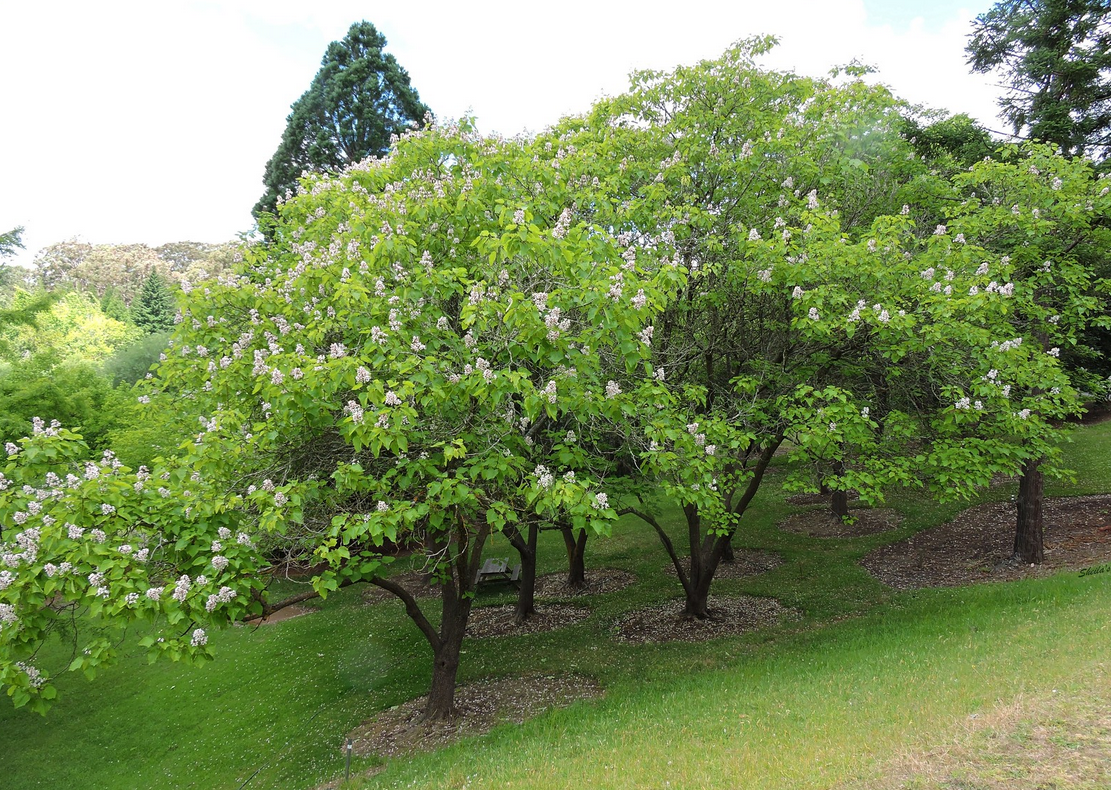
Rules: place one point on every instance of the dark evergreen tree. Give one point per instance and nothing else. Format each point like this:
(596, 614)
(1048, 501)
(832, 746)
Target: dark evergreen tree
(153, 310)
(1055, 58)
(358, 99)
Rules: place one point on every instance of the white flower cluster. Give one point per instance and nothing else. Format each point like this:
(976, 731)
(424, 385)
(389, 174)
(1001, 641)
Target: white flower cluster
(966, 403)
(181, 588)
(544, 477)
(226, 595)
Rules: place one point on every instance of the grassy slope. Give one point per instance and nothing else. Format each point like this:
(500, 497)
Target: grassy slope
(801, 705)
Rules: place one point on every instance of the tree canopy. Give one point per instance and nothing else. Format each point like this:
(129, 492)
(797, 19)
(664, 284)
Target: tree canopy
(1055, 56)
(359, 99)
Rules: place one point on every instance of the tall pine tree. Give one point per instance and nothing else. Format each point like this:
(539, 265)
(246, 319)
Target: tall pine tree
(358, 99)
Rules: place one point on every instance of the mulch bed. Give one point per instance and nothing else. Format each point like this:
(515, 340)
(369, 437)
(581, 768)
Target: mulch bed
(823, 524)
(603, 580)
(482, 705)
(729, 615)
(805, 500)
(976, 546)
(746, 562)
(498, 620)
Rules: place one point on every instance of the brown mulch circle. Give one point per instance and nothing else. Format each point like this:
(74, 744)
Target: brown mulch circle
(746, 562)
(823, 524)
(603, 580)
(729, 615)
(498, 620)
(482, 706)
(414, 582)
(976, 546)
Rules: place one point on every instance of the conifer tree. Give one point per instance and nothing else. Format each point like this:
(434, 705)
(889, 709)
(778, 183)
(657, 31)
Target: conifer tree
(153, 310)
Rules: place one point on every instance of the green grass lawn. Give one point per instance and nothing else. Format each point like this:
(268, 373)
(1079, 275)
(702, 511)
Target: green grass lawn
(862, 676)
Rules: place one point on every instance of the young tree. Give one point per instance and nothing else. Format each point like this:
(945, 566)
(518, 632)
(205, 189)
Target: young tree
(1050, 217)
(360, 98)
(1055, 56)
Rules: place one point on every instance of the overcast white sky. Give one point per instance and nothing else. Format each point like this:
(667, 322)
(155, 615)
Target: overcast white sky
(152, 121)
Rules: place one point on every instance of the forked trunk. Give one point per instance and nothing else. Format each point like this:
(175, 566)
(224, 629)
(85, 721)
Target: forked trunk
(1029, 527)
(576, 551)
(457, 595)
(727, 555)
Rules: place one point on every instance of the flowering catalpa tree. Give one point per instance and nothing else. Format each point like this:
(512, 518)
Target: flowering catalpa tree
(819, 309)
(1051, 219)
(89, 546)
(413, 361)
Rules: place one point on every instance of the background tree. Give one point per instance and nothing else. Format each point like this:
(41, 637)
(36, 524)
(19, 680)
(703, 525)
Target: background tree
(15, 312)
(358, 99)
(1055, 58)
(153, 309)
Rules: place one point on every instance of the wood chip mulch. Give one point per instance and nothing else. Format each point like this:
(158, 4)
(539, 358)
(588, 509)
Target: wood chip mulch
(805, 500)
(823, 524)
(746, 562)
(482, 705)
(729, 615)
(603, 580)
(488, 621)
(976, 546)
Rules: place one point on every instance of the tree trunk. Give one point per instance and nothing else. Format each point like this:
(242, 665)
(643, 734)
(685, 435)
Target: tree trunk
(445, 667)
(526, 594)
(576, 551)
(839, 499)
(1029, 533)
(727, 555)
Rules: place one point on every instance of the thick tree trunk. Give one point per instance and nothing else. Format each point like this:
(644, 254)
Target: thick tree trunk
(526, 593)
(1029, 532)
(445, 667)
(576, 552)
